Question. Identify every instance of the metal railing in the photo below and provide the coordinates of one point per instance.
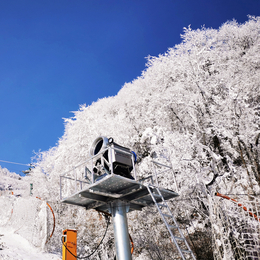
(83, 175)
(158, 169)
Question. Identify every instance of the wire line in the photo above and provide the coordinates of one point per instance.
(15, 163)
(85, 257)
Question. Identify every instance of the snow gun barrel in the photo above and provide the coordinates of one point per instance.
(111, 158)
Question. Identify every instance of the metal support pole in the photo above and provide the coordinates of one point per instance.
(119, 210)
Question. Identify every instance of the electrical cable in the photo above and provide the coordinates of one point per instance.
(85, 257)
(130, 238)
(14, 163)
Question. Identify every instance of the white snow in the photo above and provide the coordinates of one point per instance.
(15, 247)
(22, 221)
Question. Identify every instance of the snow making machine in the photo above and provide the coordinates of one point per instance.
(107, 182)
(116, 160)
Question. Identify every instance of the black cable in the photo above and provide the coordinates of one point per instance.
(84, 257)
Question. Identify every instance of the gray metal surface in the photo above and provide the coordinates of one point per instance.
(122, 243)
(99, 194)
(99, 185)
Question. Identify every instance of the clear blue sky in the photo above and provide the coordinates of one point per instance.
(58, 54)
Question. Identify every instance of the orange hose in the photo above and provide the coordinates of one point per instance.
(132, 243)
(52, 215)
(53, 220)
(239, 204)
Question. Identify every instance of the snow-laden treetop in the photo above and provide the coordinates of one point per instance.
(196, 106)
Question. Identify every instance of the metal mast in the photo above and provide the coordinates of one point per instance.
(122, 243)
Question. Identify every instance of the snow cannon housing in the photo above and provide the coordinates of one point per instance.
(111, 158)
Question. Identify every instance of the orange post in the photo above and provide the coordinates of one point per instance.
(69, 244)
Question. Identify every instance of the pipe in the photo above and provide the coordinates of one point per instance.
(122, 242)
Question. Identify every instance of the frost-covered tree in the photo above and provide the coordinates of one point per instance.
(196, 107)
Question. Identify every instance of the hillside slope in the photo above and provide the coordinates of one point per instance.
(196, 107)
(22, 220)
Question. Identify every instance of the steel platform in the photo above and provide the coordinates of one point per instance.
(100, 194)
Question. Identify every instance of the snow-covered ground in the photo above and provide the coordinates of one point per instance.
(22, 221)
(15, 247)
